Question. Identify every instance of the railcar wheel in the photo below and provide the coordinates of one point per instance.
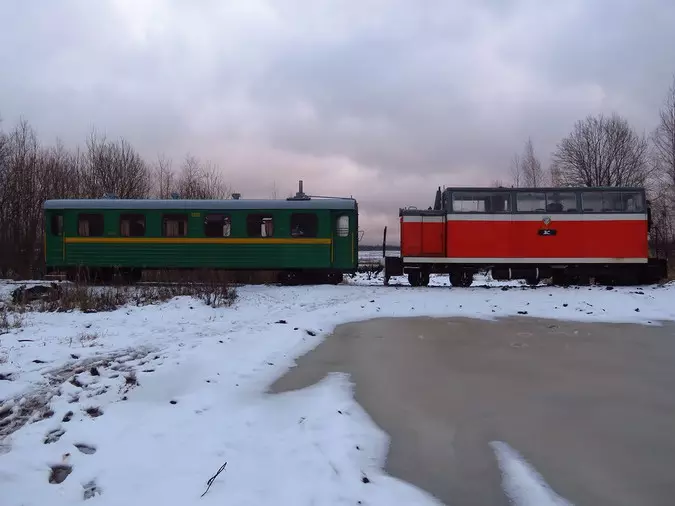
(335, 278)
(424, 278)
(532, 281)
(560, 278)
(461, 278)
(414, 278)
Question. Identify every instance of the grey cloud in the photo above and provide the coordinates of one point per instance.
(385, 100)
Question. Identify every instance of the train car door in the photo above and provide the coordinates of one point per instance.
(54, 244)
(433, 235)
(343, 249)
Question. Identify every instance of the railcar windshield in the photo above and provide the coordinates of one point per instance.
(481, 202)
(613, 202)
(550, 202)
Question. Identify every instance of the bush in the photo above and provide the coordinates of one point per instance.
(9, 321)
(92, 299)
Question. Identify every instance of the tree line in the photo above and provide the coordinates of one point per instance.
(604, 150)
(599, 151)
(31, 173)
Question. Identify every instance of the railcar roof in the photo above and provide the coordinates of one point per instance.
(329, 203)
(545, 188)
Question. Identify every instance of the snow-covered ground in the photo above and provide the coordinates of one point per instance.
(145, 404)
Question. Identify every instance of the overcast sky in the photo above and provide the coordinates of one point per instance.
(382, 100)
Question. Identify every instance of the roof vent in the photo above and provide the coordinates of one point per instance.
(301, 194)
(236, 196)
(175, 196)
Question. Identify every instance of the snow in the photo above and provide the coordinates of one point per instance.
(521, 482)
(200, 398)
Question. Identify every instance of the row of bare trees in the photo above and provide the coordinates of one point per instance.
(31, 173)
(606, 151)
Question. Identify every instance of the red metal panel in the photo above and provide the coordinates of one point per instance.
(411, 238)
(433, 236)
(572, 239)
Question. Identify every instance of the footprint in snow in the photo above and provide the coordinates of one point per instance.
(85, 448)
(91, 489)
(53, 436)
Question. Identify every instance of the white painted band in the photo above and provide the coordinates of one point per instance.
(423, 219)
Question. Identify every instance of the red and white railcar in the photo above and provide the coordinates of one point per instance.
(569, 234)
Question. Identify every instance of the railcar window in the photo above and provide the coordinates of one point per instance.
(633, 202)
(531, 202)
(559, 202)
(591, 202)
(259, 225)
(217, 225)
(90, 225)
(342, 226)
(304, 225)
(611, 202)
(174, 225)
(132, 225)
(57, 224)
(481, 202)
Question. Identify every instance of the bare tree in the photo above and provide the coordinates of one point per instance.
(201, 181)
(116, 168)
(603, 151)
(526, 168)
(663, 153)
(516, 171)
(663, 139)
(164, 179)
(555, 175)
(533, 175)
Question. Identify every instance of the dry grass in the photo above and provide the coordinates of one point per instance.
(9, 320)
(216, 292)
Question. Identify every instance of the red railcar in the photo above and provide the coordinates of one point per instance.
(568, 234)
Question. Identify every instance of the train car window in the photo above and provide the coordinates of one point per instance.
(57, 224)
(304, 225)
(561, 202)
(531, 202)
(217, 225)
(174, 225)
(259, 225)
(342, 226)
(611, 202)
(633, 202)
(132, 225)
(591, 202)
(90, 225)
(481, 202)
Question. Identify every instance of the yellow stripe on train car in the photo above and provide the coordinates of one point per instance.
(189, 240)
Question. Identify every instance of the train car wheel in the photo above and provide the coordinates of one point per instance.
(424, 278)
(461, 278)
(560, 278)
(532, 281)
(414, 278)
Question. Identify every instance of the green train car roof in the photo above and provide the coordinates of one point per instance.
(267, 204)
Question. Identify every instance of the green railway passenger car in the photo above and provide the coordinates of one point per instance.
(301, 238)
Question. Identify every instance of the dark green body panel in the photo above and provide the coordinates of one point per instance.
(335, 253)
